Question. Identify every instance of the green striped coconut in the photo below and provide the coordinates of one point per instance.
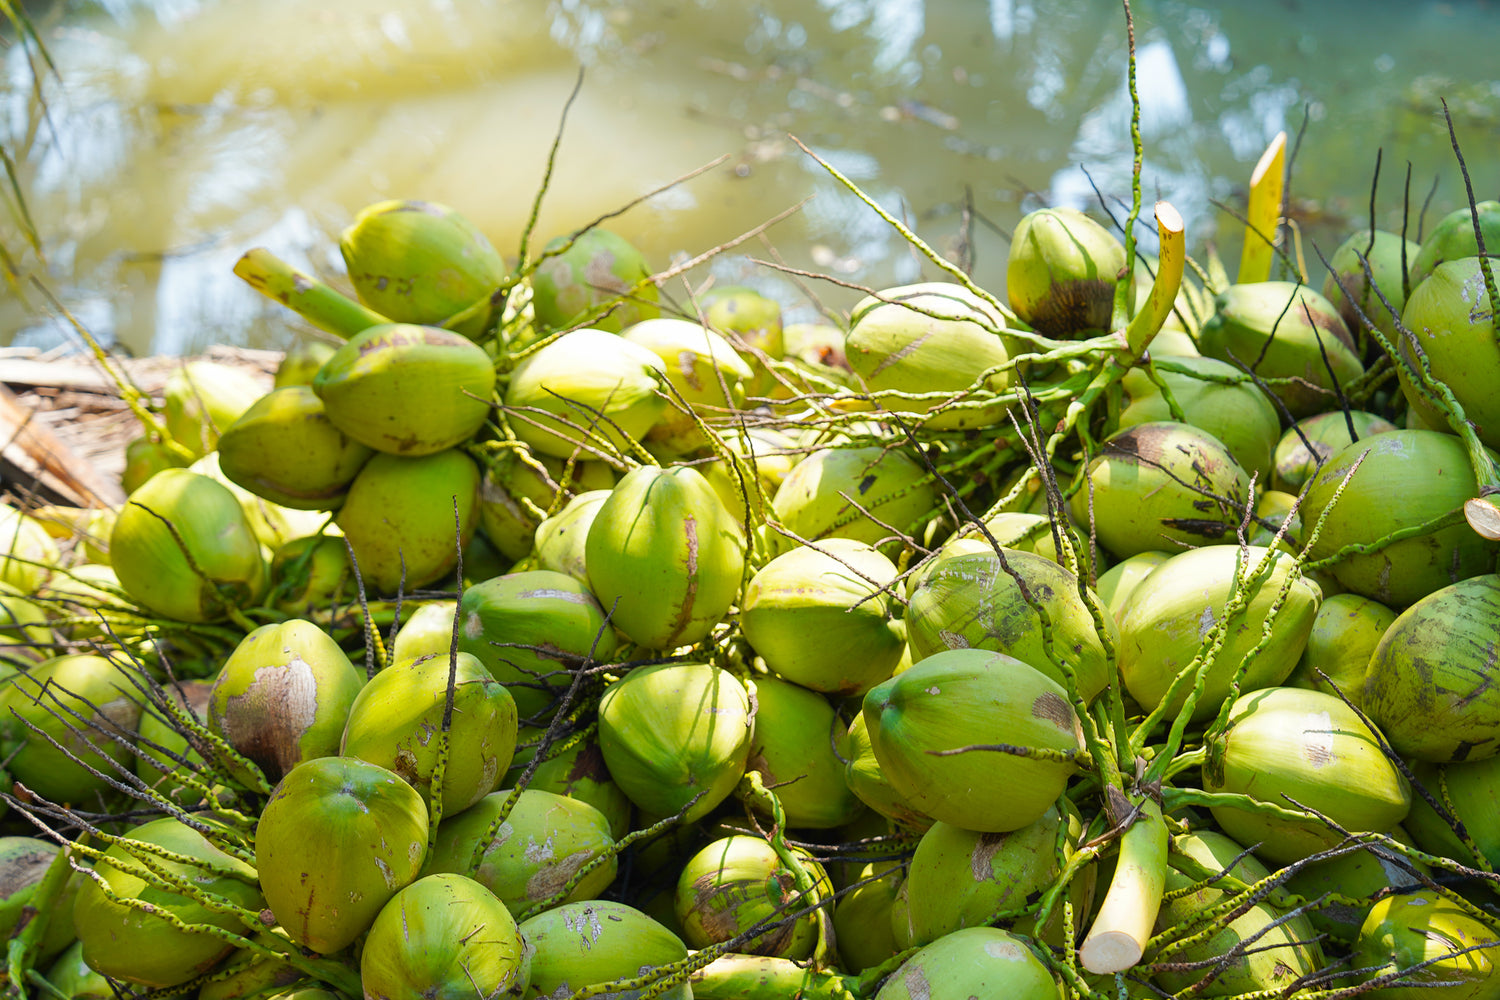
(818, 616)
(1446, 953)
(1405, 478)
(671, 731)
(183, 548)
(884, 484)
(926, 339)
(664, 556)
(1167, 620)
(418, 261)
(738, 884)
(396, 719)
(531, 630)
(406, 518)
(202, 398)
(283, 696)
(973, 962)
(1061, 272)
(444, 937)
(541, 846)
(134, 943)
(561, 540)
(579, 277)
(407, 389)
(793, 749)
(1284, 330)
(1271, 950)
(87, 704)
(1345, 632)
(1429, 685)
(1160, 485)
(1311, 748)
(594, 942)
(1213, 396)
(1304, 448)
(336, 840)
(285, 449)
(1349, 288)
(1451, 317)
(968, 697)
(1014, 606)
(582, 392)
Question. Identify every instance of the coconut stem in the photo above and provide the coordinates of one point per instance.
(1172, 256)
(1124, 924)
(305, 295)
(1263, 214)
(36, 915)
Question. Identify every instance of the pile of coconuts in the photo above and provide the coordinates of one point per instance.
(534, 637)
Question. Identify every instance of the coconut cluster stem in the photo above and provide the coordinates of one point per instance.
(322, 306)
(1120, 932)
(1263, 214)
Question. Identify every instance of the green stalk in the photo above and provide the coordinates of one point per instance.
(1263, 214)
(1148, 321)
(322, 306)
(1125, 921)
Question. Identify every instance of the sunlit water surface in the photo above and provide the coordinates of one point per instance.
(183, 132)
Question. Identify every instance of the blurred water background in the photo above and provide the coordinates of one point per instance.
(176, 134)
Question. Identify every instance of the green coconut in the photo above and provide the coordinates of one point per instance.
(1311, 748)
(518, 490)
(1367, 873)
(973, 962)
(964, 698)
(589, 277)
(444, 937)
(1213, 396)
(706, 375)
(594, 942)
(1350, 289)
(402, 515)
(86, 704)
(396, 719)
(25, 636)
(819, 617)
(1453, 321)
(1167, 621)
(1061, 272)
(925, 339)
(311, 575)
(135, 943)
(531, 630)
(542, 846)
(1028, 607)
(561, 540)
(578, 771)
(202, 399)
(24, 862)
(73, 978)
(418, 261)
(675, 732)
(1453, 238)
(846, 492)
(272, 524)
(1468, 794)
(1405, 479)
(285, 449)
(1444, 951)
(182, 547)
(664, 557)
(738, 884)
(1160, 485)
(1345, 632)
(1283, 330)
(866, 779)
(1117, 583)
(1304, 448)
(752, 323)
(1271, 950)
(1429, 685)
(302, 361)
(862, 917)
(283, 696)
(27, 553)
(336, 840)
(793, 749)
(768, 455)
(407, 389)
(145, 456)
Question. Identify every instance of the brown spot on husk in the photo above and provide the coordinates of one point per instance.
(265, 721)
(1197, 526)
(1054, 708)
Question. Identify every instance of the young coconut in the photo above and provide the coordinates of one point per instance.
(1061, 272)
(1440, 950)
(752, 323)
(27, 552)
(973, 962)
(1453, 237)
(595, 276)
(1213, 396)
(561, 539)
(283, 696)
(963, 698)
(1350, 290)
(739, 883)
(664, 556)
(286, 450)
(1345, 632)
(595, 942)
(1304, 449)
(840, 492)
(1452, 320)
(705, 372)
(396, 718)
(336, 840)
(862, 917)
(444, 937)
(407, 389)
(793, 749)
(675, 732)
(202, 398)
